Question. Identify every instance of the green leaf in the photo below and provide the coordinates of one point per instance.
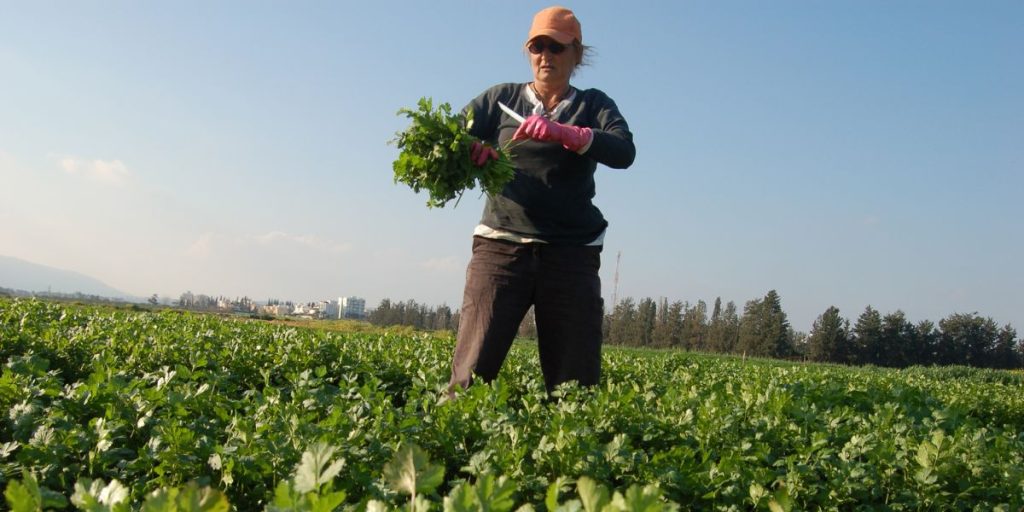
(637, 499)
(757, 492)
(325, 502)
(925, 452)
(316, 468)
(285, 497)
(21, 498)
(462, 499)
(570, 506)
(420, 504)
(190, 498)
(410, 471)
(780, 501)
(53, 499)
(593, 495)
(495, 494)
(28, 495)
(99, 496)
(208, 499)
(551, 500)
(376, 506)
(926, 476)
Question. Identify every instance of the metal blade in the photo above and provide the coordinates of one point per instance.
(511, 113)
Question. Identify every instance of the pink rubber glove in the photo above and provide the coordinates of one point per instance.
(541, 128)
(480, 154)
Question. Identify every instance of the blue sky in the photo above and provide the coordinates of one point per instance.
(841, 153)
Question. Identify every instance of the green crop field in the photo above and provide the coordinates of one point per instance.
(123, 410)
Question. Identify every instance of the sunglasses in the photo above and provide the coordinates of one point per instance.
(538, 47)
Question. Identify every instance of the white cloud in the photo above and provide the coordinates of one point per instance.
(106, 171)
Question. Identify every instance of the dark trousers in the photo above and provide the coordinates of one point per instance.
(562, 284)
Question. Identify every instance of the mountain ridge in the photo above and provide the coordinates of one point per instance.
(19, 274)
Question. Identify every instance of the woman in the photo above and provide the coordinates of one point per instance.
(539, 242)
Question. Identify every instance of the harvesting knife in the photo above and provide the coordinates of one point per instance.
(511, 113)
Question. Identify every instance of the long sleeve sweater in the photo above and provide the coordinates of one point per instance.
(550, 198)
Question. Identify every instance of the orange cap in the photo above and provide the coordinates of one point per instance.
(558, 23)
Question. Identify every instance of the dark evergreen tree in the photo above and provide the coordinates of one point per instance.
(828, 340)
(647, 312)
(867, 337)
(715, 336)
(895, 342)
(1005, 352)
(779, 333)
(662, 335)
(730, 337)
(926, 341)
(623, 327)
(675, 321)
(968, 339)
(764, 329)
(695, 326)
(751, 338)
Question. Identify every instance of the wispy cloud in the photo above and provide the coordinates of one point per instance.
(114, 172)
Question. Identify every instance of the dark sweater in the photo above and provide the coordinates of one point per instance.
(550, 196)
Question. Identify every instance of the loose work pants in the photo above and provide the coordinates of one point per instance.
(503, 280)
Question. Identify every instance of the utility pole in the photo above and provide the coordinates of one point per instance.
(615, 287)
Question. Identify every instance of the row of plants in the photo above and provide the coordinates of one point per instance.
(192, 405)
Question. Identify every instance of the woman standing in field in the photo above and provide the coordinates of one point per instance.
(539, 242)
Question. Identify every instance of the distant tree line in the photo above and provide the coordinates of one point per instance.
(422, 316)
(763, 330)
(411, 313)
(76, 296)
(892, 340)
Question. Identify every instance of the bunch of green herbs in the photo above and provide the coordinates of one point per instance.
(435, 155)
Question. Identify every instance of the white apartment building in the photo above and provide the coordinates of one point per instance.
(351, 307)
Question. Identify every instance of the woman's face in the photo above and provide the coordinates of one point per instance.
(549, 64)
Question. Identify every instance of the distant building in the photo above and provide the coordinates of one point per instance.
(333, 309)
(278, 310)
(323, 309)
(352, 307)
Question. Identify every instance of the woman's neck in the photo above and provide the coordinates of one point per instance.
(550, 94)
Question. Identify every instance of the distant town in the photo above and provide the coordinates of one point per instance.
(353, 308)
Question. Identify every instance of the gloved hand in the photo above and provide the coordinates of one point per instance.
(480, 154)
(541, 128)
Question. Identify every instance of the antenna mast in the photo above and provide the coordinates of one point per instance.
(615, 288)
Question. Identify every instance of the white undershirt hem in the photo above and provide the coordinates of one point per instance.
(499, 234)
